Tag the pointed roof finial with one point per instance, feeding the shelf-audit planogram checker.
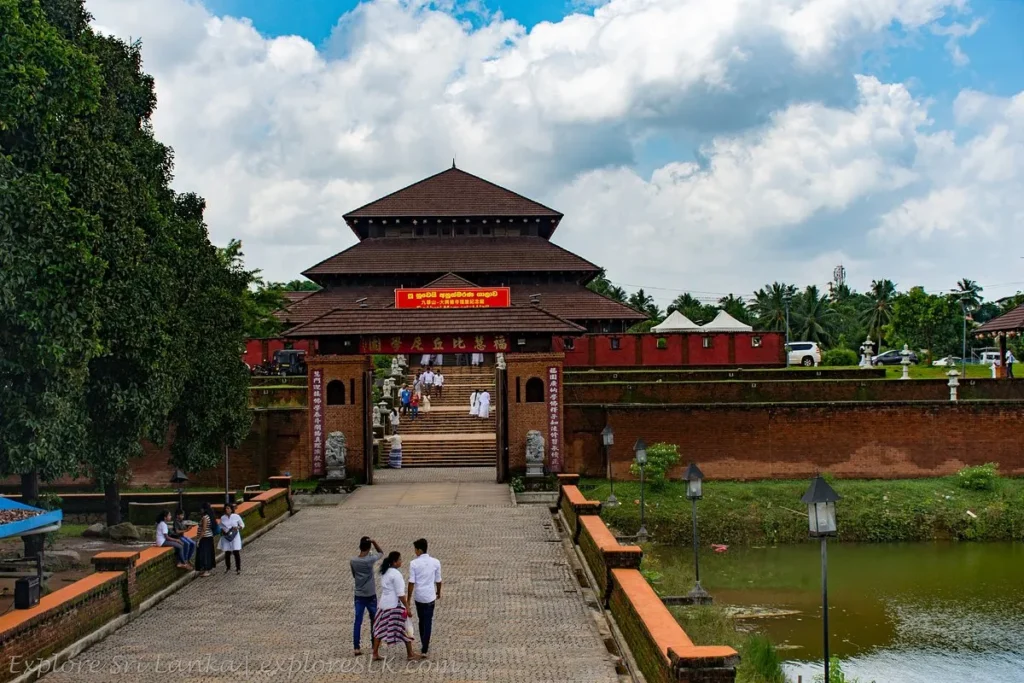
(453, 162)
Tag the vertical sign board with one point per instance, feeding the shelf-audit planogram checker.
(554, 420)
(316, 420)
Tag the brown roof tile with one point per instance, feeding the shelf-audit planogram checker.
(1007, 322)
(292, 297)
(329, 299)
(416, 321)
(574, 302)
(449, 281)
(432, 255)
(452, 192)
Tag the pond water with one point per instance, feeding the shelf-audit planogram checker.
(899, 613)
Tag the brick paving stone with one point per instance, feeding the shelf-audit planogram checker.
(511, 609)
(418, 475)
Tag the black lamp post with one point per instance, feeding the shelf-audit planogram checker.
(179, 479)
(821, 516)
(608, 438)
(694, 479)
(640, 448)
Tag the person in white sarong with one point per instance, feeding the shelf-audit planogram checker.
(425, 360)
(439, 359)
(476, 359)
(484, 404)
(473, 403)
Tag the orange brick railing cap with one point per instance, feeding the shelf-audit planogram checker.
(699, 656)
(663, 628)
(574, 496)
(604, 538)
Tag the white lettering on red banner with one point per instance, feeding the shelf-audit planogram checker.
(554, 421)
(316, 380)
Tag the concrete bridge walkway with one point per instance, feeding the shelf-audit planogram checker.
(510, 611)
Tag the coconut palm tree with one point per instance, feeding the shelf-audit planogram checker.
(813, 319)
(736, 307)
(644, 303)
(602, 285)
(878, 312)
(969, 292)
(769, 307)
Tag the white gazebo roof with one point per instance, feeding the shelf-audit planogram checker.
(676, 322)
(724, 322)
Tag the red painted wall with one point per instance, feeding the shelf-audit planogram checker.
(730, 349)
(259, 351)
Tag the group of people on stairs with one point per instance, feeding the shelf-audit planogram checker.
(480, 403)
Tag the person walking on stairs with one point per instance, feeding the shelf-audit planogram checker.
(438, 383)
(473, 407)
(484, 404)
(424, 590)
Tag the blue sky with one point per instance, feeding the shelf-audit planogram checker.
(823, 131)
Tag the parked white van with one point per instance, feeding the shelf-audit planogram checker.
(804, 353)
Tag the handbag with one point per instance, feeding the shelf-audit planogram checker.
(408, 628)
(229, 534)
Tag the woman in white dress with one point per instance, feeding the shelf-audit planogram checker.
(473, 403)
(231, 525)
(484, 404)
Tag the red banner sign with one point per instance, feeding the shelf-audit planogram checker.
(437, 343)
(554, 420)
(316, 421)
(470, 297)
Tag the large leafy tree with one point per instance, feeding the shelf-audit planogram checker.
(261, 301)
(879, 308)
(49, 270)
(925, 321)
(212, 409)
(644, 303)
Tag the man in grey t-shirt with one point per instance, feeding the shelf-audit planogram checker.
(366, 587)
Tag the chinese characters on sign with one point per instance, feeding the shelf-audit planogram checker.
(317, 419)
(554, 421)
(436, 343)
(470, 297)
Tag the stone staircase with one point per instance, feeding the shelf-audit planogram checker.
(447, 435)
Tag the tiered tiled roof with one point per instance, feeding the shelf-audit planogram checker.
(440, 255)
(453, 193)
(431, 321)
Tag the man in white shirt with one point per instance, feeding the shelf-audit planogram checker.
(438, 383)
(1010, 360)
(424, 589)
(428, 381)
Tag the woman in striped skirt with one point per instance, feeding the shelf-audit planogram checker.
(392, 609)
(205, 557)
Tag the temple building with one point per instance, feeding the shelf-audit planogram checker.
(451, 232)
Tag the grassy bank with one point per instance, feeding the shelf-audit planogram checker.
(770, 512)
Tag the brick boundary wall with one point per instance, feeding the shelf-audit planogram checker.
(123, 581)
(658, 643)
(885, 440)
(586, 376)
(786, 391)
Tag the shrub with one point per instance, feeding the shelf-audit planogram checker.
(979, 478)
(661, 457)
(760, 661)
(839, 357)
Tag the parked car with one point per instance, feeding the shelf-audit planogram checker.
(947, 362)
(893, 357)
(804, 353)
(289, 362)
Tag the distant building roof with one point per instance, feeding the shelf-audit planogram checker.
(293, 297)
(397, 255)
(1007, 322)
(453, 193)
(432, 321)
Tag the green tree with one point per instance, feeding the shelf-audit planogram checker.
(261, 301)
(603, 286)
(693, 308)
(769, 307)
(878, 311)
(212, 410)
(925, 321)
(49, 271)
(813, 318)
(736, 307)
(642, 302)
(302, 285)
(969, 292)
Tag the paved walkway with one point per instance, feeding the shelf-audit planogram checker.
(511, 609)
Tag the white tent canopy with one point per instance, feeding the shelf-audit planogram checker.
(724, 322)
(676, 322)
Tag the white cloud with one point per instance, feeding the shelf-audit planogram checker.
(802, 159)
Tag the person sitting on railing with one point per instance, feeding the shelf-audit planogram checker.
(178, 533)
(163, 540)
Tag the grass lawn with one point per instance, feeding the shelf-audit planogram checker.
(920, 371)
(770, 512)
(71, 530)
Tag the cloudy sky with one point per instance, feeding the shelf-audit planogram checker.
(708, 146)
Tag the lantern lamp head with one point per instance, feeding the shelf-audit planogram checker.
(640, 448)
(694, 479)
(820, 499)
(179, 477)
(608, 435)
